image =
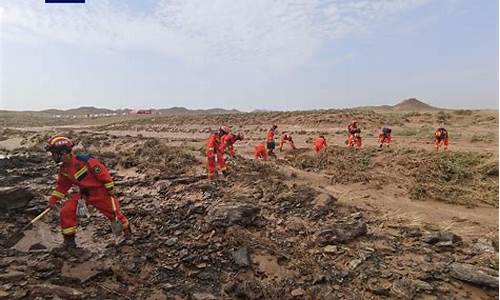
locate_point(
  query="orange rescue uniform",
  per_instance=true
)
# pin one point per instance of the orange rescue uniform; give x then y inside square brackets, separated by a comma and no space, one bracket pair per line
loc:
[95,185]
[260,152]
[354,137]
[285,138]
[441,138]
[227,142]
[214,153]
[319,144]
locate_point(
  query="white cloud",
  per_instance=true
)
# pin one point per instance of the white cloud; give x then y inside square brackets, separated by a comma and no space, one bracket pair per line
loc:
[276,33]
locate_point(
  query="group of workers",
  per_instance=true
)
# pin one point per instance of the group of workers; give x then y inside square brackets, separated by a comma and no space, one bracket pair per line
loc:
[223,139]
[96,185]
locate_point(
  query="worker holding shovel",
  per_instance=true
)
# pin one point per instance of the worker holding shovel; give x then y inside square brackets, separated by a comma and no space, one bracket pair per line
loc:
[96,189]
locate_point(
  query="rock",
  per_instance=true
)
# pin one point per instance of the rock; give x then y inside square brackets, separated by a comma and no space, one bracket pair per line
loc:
[12,276]
[14,197]
[4,294]
[241,257]
[157,295]
[357,215]
[377,287]
[323,202]
[44,266]
[353,264]
[19,294]
[483,246]
[171,241]
[298,292]
[444,245]
[440,236]
[46,289]
[403,289]
[197,208]
[224,215]
[422,285]
[84,271]
[384,248]
[244,289]
[167,286]
[201,266]
[330,249]
[474,274]
[203,296]
[340,233]
[183,253]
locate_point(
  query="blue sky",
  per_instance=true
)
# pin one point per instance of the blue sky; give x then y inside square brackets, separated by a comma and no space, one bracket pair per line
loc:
[247,55]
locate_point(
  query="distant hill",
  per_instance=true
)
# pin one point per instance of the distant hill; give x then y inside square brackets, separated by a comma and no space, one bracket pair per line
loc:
[91,110]
[83,110]
[413,104]
[183,110]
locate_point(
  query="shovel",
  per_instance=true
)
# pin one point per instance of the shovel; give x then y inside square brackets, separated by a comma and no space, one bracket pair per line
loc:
[116,226]
[18,235]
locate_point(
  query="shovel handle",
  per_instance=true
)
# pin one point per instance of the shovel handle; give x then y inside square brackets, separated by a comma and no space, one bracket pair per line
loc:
[113,199]
[43,213]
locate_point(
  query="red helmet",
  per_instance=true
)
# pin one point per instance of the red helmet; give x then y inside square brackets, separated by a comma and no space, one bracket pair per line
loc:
[225,129]
[59,143]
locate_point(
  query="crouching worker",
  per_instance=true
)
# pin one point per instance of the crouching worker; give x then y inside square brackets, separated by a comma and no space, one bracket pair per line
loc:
[260,152]
[385,137]
[319,144]
[354,138]
[441,138]
[215,152]
[96,189]
[227,143]
[286,138]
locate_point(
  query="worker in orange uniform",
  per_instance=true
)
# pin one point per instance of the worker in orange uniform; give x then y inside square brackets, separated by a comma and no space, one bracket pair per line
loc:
[286,138]
[227,142]
[260,151]
[95,188]
[354,138]
[441,138]
[271,144]
[214,152]
[385,137]
[319,144]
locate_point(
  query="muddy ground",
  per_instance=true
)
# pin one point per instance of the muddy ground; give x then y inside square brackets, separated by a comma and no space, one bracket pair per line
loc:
[403,222]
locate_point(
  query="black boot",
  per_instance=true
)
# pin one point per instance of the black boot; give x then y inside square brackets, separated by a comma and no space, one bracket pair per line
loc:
[127,232]
[68,245]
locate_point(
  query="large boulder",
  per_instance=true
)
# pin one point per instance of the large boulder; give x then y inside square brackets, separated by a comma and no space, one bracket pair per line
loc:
[340,233]
[474,274]
[14,197]
[224,215]
[440,236]
[50,290]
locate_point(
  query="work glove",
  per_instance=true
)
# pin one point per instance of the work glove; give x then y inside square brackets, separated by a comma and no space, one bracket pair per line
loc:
[81,209]
[52,202]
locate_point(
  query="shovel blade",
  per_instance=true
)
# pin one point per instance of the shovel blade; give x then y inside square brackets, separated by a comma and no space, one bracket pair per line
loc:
[117,228]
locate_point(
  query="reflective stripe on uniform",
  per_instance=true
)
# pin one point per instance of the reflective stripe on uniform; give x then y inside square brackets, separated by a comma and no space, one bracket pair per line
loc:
[80,174]
[69,231]
[109,185]
[55,140]
[57,194]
